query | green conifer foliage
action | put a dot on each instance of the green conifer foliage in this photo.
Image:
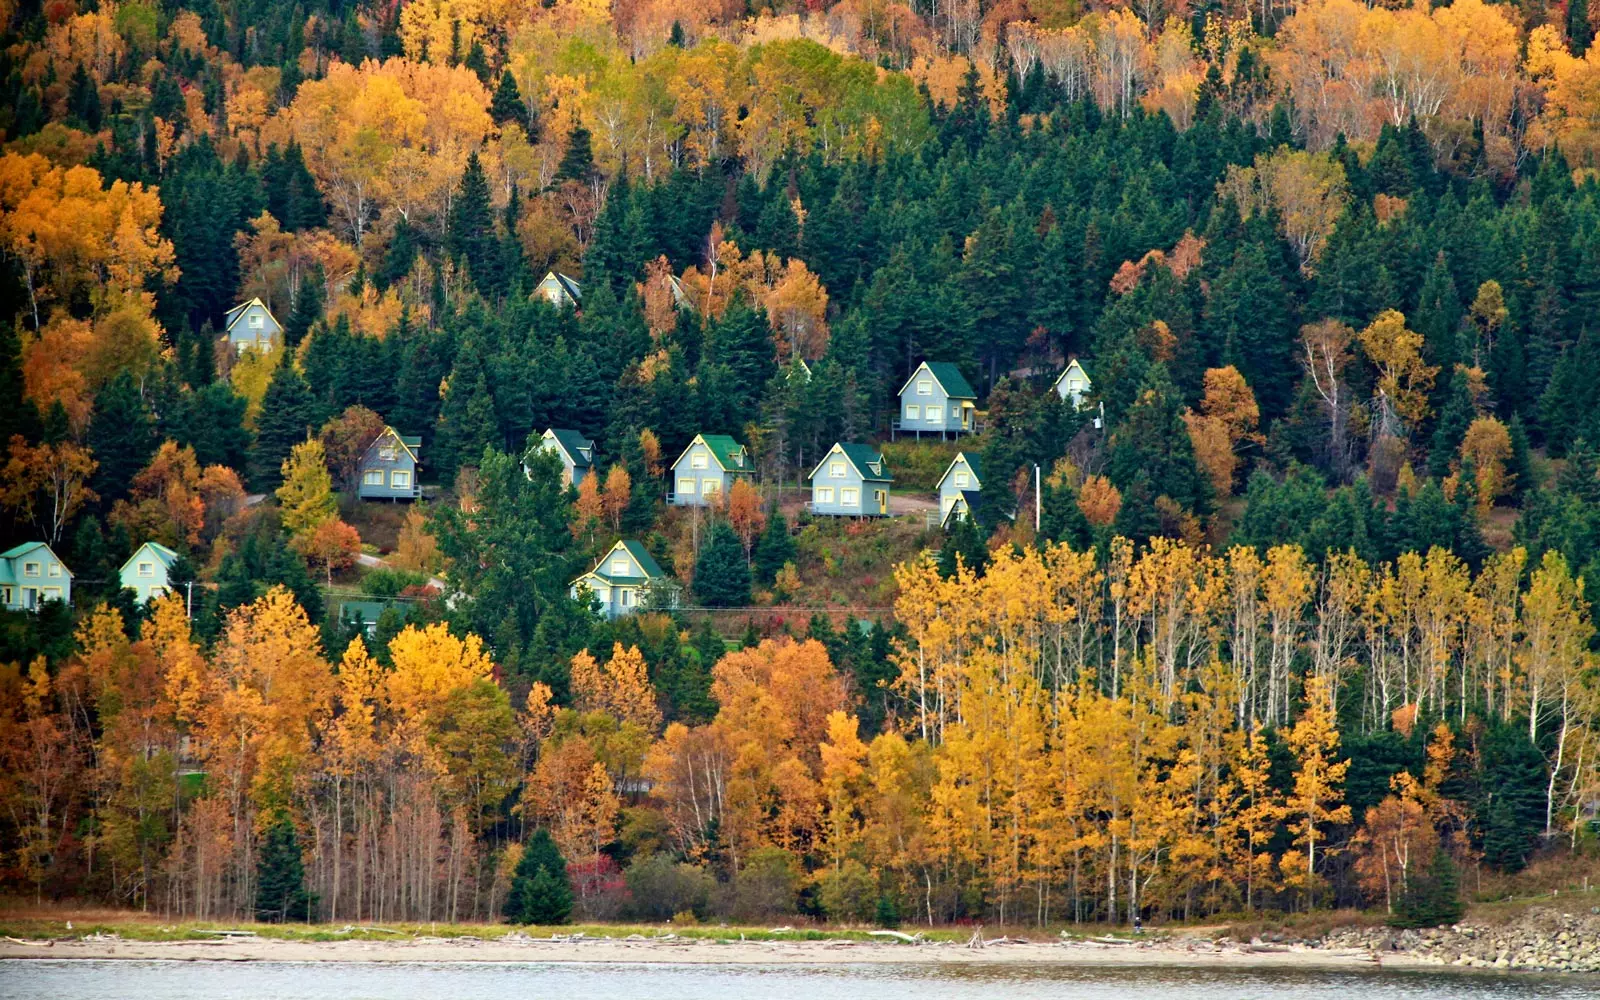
(281, 877)
(721, 576)
(540, 893)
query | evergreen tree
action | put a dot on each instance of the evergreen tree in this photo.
(122, 435)
(1454, 418)
(774, 548)
(963, 540)
(540, 893)
(288, 414)
(1579, 32)
(281, 877)
(507, 105)
(308, 308)
(1431, 898)
(83, 99)
(721, 576)
(398, 258)
(212, 422)
(577, 163)
(471, 239)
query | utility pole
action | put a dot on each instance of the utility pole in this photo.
(188, 601)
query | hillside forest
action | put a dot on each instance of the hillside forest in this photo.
(1290, 613)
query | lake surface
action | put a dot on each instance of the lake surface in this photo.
(81, 979)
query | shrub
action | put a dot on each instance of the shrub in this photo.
(848, 892)
(386, 582)
(662, 888)
(765, 886)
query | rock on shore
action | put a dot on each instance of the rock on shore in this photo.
(1541, 939)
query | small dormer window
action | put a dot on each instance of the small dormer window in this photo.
(924, 387)
(587, 454)
(876, 468)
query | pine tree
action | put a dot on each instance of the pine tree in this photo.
(308, 308)
(83, 99)
(1454, 418)
(721, 576)
(507, 105)
(399, 258)
(540, 893)
(963, 539)
(1431, 898)
(471, 239)
(577, 163)
(774, 548)
(288, 414)
(281, 877)
(1579, 32)
(122, 435)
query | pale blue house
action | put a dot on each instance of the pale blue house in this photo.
(575, 451)
(389, 467)
(560, 291)
(251, 325)
(31, 574)
(959, 488)
(851, 481)
(146, 571)
(937, 399)
(622, 580)
(706, 470)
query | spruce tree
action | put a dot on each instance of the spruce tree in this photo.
(721, 576)
(963, 539)
(471, 239)
(540, 893)
(774, 548)
(122, 434)
(1431, 897)
(507, 104)
(1454, 419)
(577, 163)
(1579, 32)
(288, 414)
(281, 877)
(307, 309)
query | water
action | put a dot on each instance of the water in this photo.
(131, 980)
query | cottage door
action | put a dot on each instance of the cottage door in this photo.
(883, 501)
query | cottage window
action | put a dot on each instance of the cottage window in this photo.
(824, 494)
(627, 597)
(686, 487)
(619, 567)
(55, 569)
(51, 593)
(30, 569)
(697, 460)
(710, 487)
(256, 321)
(400, 479)
(849, 496)
(924, 388)
(935, 413)
(158, 591)
(372, 477)
(961, 480)
(387, 453)
(913, 411)
(836, 470)
(147, 569)
(5, 595)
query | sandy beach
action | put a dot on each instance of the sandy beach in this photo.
(516, 948)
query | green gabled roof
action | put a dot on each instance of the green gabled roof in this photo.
(411, 441)
(166, 556)
(23, 549)
(652, 569)
(949, 377)
(574, 444)
(863, 457)
(728, 452)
